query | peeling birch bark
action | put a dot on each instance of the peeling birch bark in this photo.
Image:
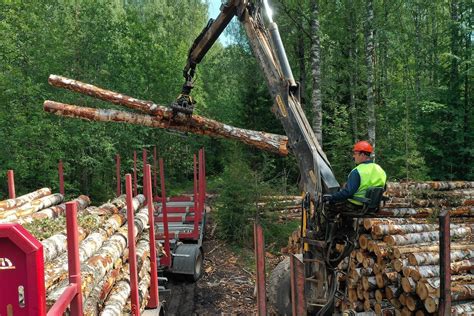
(430, 185)
(415, 238)
(19, 201)
(82, 202)
(431, 271)
(432, 258)
(197, 125)
(458, 293)
(104, 259)
(31, 207)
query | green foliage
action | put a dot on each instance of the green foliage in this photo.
(237, 203)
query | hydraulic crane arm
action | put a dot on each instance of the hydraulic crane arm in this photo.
(317, 177)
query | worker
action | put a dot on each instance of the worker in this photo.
(365, 175)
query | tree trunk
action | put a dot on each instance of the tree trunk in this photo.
(159, 117)
(31, 207)
(458, 293)
(353, 70)
(422, 272)
(432, 258)
(316, 95)
(398, 252)
(196, 124)
(408, 239)
(19, 201)
(370, 61)
(431, 286)
(108, 224)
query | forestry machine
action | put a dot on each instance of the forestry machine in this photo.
(323, 228)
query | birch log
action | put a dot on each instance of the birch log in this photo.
(19, 201)
(424, 212)
(430, 185)
(82, 202)
(196, 124)
(398, 252)
(462, 309)
(458, 293)
(432, 258)
(419, 272)
(31, 207)
(415, 238)
(97, 266)
(100, 292)
(431, 286)
(108, 226)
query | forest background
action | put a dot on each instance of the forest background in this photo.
(411, 60)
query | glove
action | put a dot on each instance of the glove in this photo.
(327, 198)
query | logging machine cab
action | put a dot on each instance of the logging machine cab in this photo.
(320, 233)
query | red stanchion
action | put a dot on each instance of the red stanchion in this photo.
(11, 184)
(135, 184)
(144, 157)
(132, 256)
(196, 203)
(154, 300)
(166, 260)
(74, 263)
(155, 185)
(117, 175)
(259, 244)
(72, 296)
(61, 177)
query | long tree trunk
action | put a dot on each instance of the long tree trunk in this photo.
(159, 117)
(370, 61)
(19, 201)
(353, 70)
(408, 239)
(261, 140)
(316, 95)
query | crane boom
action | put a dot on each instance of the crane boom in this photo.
(316, 173)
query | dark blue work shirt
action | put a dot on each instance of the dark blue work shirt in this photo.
(351, 187)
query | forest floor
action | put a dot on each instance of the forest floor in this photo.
(226, 287)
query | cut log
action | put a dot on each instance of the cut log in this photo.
(462, 309)
(82, 202)
(19, 201)
(368, 223)
(425, 212)
(432, 258)
(431, 286)
(408, 285)
(458, 293)
(419, 272)
(408, 239)
(413, 303)
(57, 243)
(158, 117)
(398, 252)
(31, 207)
(429, 185)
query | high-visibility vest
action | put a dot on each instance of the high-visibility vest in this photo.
(371, 175)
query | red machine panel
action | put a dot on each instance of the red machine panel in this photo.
(21, 272)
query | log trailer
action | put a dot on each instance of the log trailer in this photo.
(321, 233)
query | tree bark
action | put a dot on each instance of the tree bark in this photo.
(431, 286)
(400, 240)
(458, 293)
(398, 252)
(432, 258)
(31, 207)
(19, 201)
(158, 117)
(196, 124)
(370, 60)
(316, 95)
(431, 271)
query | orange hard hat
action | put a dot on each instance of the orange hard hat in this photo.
(363, 146)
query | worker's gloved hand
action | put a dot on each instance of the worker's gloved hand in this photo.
(327, 198)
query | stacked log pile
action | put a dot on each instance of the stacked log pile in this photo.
(103, 248)
(286, 207)
(395, 269)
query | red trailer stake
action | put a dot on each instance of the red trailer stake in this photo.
(154, 298)
(132, 255)
(11, 184)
